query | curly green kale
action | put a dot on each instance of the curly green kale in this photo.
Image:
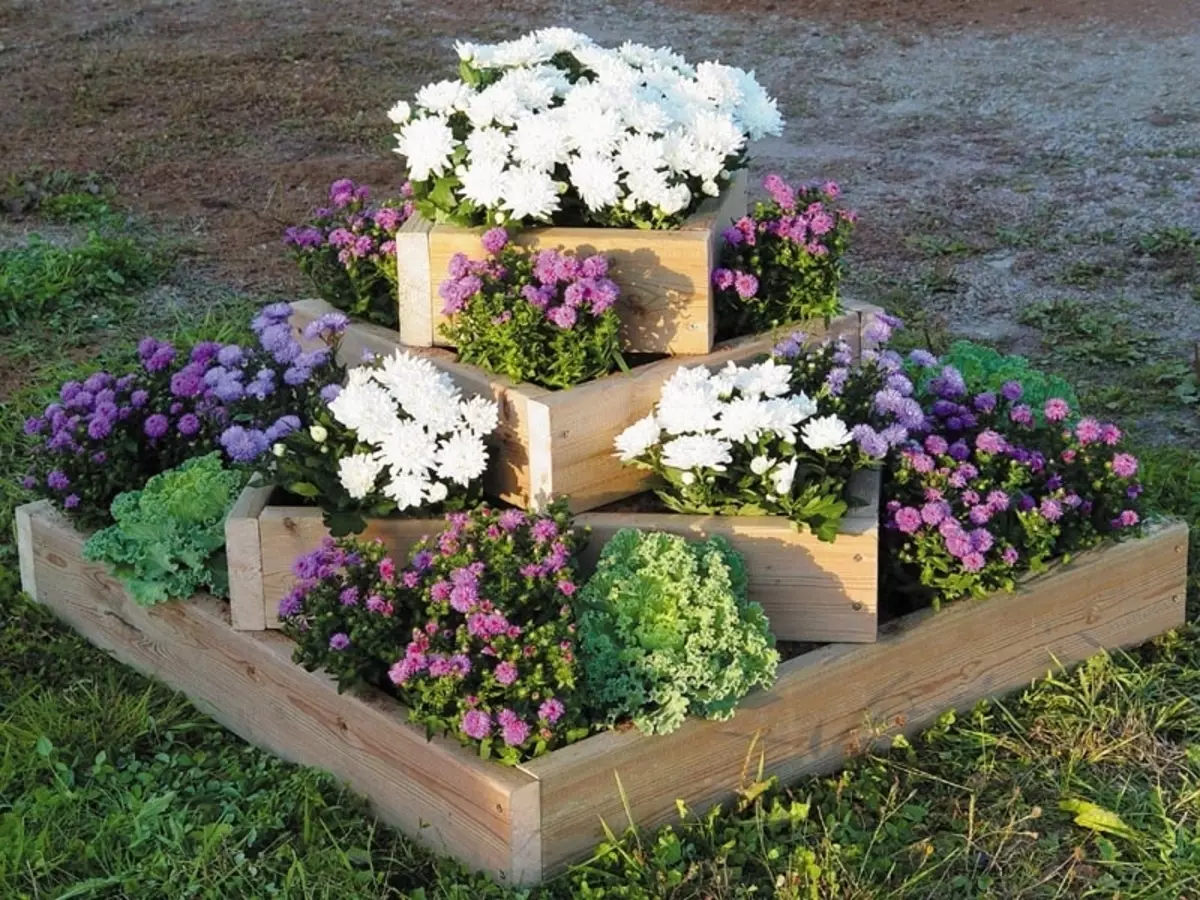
(985, 369)
(169, 537)
(665, 631)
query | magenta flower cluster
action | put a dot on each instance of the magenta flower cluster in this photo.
(984, 493)
(782, 263)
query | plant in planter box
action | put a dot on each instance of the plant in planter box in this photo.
(780, 437)
(665, 631)
(545, 318)
(990, 492)
(169, 537)
(553, 128)
(397, 439)
(783, 263)
(347, 250)
(348, 611)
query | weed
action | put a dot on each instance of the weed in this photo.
(935, 245)
(1086, 274)
(1175, 253)
(58, 196)
(1081, 333)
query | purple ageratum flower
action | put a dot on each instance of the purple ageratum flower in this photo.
(835, 381)
(1021, 415)
(494, 240)
(71, 501)
(870, 442)
(911, 415)
(99, 381)
(296, 376)
(476, 724)
(282, 427)
(188, 425)
(339, 641)
(990, 442)
(163, 357)
(923, 358)
(327, 325)
(204, 352)
(1011, 391)
(981, 540)
(506, 673)
(985, 402)
(156, 426)
(551, 710)
(244, 444)
(139, 398)
(1124, 465)
(745, 284)
(341, 193)
(422, 560)
(28, 482)
(907, 519)
(562, 316)
(1056, 409)
(959, 451)
(58, 481)
(330, 392)
(732, 236)
(894, 435)
(99, 428)
(1026, 503)
(936, 444)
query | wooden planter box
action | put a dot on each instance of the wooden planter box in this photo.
(560, 443)
(811, 590)
(666, 303)
(523, 824)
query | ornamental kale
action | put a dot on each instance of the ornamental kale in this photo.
(784, 263)
(492, 660)
(989, 493)
(169, 537)
(348, 251)
(348, 612)
(399, 438)
(665, 631)
(782, 437)
(545, 317)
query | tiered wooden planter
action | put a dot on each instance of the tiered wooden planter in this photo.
(666, 301)
(560, 443)
(811, 590)
(523, 824)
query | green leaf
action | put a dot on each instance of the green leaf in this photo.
(43, 746)
(304, 489)
(1097, 818)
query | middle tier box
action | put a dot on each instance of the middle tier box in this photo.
(666, 303)
(560, 443)
(811, 590)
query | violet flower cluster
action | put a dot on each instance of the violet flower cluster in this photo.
(348, 248)
(987, 491)
(782, 264)
(544, 317)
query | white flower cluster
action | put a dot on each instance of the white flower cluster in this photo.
(702, 416)
(419, 427)
(638, 128)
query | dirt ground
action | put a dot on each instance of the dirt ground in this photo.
(1000, 152)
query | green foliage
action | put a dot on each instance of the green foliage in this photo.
(59, 196)
(1091, 335)
(665, 631)
(43, 280)
(169, 537)
(986, 369)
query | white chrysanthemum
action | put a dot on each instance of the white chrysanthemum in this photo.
(647, 186)
(444, 97)
(646, 116)
(535, 88)
(743, 419)
(825, 433)
(639, 437)
(461, 458)
(524, 51)
(413, 381)
(761, 465)
(637, 54)
(595, 179)
(639, 153)
(561, 40)
(358, 474)
(718, 132)
(437, 492)
(783, 477)
(696, 451)
(540, 142)
(680, 150)
(784, 415)
(400, 113)
(427, 144)
(689, 411)
(466, 50)
(528, 192)
(758, 112)
(720, 83)
(408, 448)
(488, 146)
(495, 104)
(674, 199)
(480, 183)
(407, 490)
(481, 415)
(767, 378)
(593, 132)
(612, 71)
(805, 404)
(365, 407)
(725, 380)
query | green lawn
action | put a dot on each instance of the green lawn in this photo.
(111, 786)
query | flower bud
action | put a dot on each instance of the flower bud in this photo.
(279, 449)
(318, 433)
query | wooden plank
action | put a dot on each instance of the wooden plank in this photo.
(811, 590)
(437, 791)
(286, 532)
(25, 559)
(413, 280)
(825, 703)
(666, 296)
(243, 553)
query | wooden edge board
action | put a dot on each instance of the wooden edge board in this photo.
(243, 552)
(832, 702)
(412, 282)
(437, 791)
(24, 528)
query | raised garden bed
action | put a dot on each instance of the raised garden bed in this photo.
(526, 823)
(811, 590)
(666, 301)
(560, 443)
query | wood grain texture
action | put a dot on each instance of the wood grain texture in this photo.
(827, 704)
(811, 590)
(25, 560)
(438, 792)
(243, 551)
(666, 303)
(412, 282)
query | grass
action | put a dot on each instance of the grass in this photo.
(111, 786)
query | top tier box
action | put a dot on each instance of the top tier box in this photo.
(666, 303)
